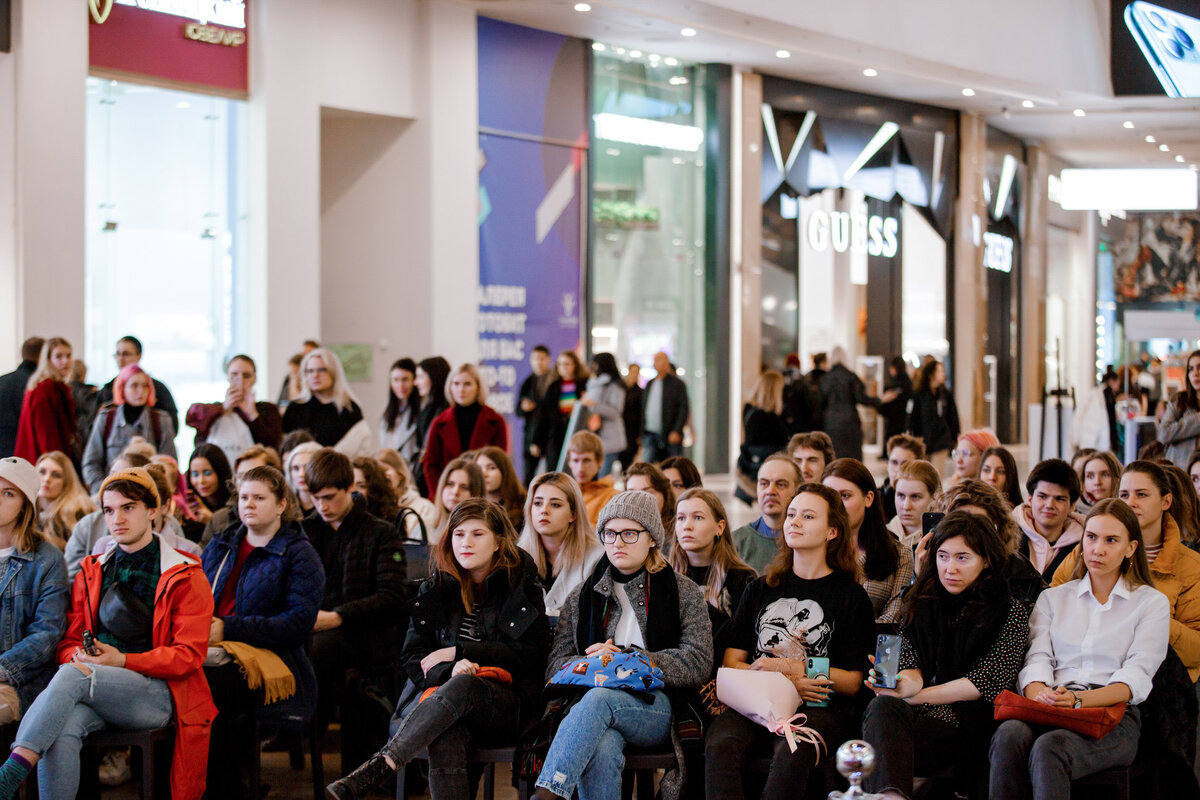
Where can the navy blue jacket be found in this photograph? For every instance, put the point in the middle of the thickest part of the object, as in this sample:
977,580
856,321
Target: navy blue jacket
278,596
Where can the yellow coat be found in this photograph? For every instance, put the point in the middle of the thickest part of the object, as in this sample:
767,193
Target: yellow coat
1176,574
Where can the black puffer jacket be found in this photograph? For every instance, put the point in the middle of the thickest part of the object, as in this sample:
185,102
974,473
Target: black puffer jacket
511,623
934,418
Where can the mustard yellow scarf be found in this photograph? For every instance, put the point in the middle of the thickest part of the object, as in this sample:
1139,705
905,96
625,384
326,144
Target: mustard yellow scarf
263,668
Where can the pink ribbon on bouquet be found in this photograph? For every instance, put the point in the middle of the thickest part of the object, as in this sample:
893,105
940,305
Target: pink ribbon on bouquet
793,729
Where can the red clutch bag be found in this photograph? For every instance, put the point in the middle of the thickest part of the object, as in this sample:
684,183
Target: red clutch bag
1094,723
491,673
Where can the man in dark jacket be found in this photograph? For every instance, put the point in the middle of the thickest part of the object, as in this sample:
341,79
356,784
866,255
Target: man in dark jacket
666,412
632,415
355,649
12,394
531,405
842,392
129,351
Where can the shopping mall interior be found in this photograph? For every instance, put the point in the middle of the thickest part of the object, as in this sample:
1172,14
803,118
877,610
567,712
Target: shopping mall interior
1008,189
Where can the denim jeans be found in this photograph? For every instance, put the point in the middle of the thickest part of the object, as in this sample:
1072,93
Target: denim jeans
464,710
891,727
606,467
74,705
655,447
1038,762
588,752
732,739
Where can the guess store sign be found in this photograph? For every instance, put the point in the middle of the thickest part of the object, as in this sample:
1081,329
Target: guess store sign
201,44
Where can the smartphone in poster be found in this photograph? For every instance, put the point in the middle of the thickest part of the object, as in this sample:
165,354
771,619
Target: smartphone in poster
1155,47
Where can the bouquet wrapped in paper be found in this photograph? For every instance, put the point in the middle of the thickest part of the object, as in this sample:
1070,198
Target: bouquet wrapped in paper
771,700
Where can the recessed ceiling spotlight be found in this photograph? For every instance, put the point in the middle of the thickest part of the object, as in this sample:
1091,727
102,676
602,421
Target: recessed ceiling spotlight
1026,104
869,73
1164,148
598,47
670,61
968,92
635,53
1128,123
620,51
1079,112
582,7
1150,140
1180,159
782,54
677,80
688,32
654,56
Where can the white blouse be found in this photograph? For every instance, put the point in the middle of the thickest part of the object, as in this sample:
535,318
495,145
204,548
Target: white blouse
1075,639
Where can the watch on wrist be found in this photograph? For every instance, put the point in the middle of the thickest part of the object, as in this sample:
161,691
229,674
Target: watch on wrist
1078,700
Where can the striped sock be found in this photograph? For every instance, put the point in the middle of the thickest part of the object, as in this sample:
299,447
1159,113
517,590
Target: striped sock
12,775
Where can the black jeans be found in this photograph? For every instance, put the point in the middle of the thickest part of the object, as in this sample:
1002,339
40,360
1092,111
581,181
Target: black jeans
891,727
465,710
340,663
732,739
231,745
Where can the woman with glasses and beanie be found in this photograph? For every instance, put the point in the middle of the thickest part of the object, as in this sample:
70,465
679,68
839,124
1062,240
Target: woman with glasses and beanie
631,600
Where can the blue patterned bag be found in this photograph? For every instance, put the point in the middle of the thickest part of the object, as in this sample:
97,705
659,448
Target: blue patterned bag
629,670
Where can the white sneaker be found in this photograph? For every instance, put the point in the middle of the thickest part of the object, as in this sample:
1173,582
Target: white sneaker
114,767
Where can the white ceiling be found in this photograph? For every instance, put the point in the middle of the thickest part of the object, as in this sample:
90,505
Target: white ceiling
1053,53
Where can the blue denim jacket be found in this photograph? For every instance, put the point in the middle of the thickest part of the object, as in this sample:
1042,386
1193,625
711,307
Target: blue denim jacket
33,615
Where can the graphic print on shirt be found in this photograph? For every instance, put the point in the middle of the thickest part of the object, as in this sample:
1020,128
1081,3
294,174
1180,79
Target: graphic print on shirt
792,628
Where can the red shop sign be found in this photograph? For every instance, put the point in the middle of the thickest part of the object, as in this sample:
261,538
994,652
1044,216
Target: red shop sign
202,43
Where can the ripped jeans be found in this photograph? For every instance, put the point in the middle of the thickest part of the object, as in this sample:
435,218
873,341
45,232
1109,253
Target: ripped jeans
74,705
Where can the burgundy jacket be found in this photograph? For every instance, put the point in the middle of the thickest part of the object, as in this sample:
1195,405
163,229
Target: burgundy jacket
443,444
267,429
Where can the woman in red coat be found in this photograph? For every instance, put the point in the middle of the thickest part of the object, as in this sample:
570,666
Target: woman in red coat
467,424
48,410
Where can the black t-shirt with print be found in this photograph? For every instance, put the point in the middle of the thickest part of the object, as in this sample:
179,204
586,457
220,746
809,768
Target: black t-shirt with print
830,617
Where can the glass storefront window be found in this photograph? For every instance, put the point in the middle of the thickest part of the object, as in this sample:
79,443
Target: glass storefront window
647,279
166,237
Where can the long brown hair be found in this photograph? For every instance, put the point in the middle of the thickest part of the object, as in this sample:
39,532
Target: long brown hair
381,499
1187,399
26,536
512,494
73,502
984,541
839,552
508,557
661,484
580,533
983,495
881,548
1135,569
474,483
724,553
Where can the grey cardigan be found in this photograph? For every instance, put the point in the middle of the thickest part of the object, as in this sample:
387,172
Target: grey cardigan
610,405
1180,434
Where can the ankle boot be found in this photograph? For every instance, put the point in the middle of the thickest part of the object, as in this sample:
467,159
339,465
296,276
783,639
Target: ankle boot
359,782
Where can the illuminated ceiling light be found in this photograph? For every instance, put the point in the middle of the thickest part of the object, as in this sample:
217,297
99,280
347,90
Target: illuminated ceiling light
1179,159
1007,172
768,118
1164,148
677,80
688,32
882,136
968,92
869,73
670,61
1151,139
599,48
620,51
1129,189
805,128
654,56
1127,123
782,54
635,53
582,7
647,132
1079,112
1026,104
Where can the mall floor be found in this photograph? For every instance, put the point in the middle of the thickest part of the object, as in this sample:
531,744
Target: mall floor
288,784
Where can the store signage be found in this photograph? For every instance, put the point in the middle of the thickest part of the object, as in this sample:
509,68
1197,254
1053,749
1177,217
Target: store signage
857,233
214,35
998,252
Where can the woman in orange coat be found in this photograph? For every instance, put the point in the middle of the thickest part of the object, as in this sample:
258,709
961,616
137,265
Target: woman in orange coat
150,609
48,410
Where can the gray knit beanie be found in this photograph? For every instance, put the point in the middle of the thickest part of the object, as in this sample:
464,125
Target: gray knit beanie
641,507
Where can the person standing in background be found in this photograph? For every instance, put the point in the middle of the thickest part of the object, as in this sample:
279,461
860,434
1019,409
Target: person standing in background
842,392
48,410
12,394
666,411
129,351
531,407
634,400
293,382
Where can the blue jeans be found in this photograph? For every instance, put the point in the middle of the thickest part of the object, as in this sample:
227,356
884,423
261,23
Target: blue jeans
606,467
588,752
655,447
1038,762
74,705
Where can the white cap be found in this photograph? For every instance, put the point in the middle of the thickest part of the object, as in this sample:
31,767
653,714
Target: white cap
23,475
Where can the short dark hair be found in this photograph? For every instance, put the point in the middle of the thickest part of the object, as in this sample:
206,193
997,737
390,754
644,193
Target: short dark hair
541,348
406,364
1057,472
328,469
133,491
31,348
913,444
133,340
813,440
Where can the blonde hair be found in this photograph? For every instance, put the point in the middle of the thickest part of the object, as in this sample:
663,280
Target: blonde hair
473,371
73,502
474,486
26,536
580,533
393,459
922,472
343,398
767,393
724,553
45,369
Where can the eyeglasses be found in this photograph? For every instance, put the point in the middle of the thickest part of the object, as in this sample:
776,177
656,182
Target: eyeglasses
628,537
964,453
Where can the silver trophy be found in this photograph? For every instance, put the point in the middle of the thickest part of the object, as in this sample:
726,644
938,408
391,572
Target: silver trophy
855,761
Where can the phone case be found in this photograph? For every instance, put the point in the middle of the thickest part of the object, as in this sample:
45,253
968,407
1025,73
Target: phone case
887,660
1168,40
818,667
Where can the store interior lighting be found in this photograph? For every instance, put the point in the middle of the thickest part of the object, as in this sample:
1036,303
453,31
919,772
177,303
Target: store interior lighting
1129,189
647,132
882,136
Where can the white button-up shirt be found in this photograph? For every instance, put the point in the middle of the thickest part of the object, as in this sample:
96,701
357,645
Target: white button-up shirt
1073,638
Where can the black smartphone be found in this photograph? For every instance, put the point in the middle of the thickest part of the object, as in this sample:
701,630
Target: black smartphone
89,644
887,660
930,520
